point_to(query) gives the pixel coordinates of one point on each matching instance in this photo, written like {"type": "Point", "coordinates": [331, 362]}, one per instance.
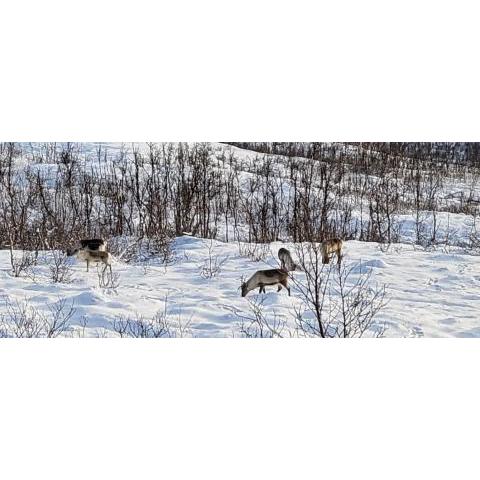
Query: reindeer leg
{"type": "Point", "coordinates": [279, 288]}
{"type": "Point", "coordinates": [87, 265]}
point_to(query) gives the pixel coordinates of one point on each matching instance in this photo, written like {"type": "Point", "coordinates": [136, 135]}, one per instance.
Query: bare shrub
{"type": "Point", "coordinates": [161, 325]}
{"type": "Point", "coordinates": [60, 268]}
{"type": "Point", "coordinates": [22, 320]}
{"type": "Point", "coordinates": [141, 327]}
{"type": "Point", "coordinates": [356, 304]}
{"type": "Point", "coordinates": [162, 247]}
{"type": "Point", "coordinates": [157, 326]}
{"type": "Point", "coordinates": [212, 265]}
{"type": "Point", "coordinates": [107, 278]}
{"type": "Point", "coordinates": [339, 301]}
{"type": "Point", "coordinates": [56, 321]}
{"type": "Point", "coordinates": [22, 263]}
{"type": "Point", "coordinates": [124, 249]}
{"type": "Point", "coordinates": [257, 324]}
{"type": "Point", "coordinates": [254, 251]}
{"type": "Point", "coordinates": [143, 249]}
{"type": "Point", "coordinates": [314, 288]}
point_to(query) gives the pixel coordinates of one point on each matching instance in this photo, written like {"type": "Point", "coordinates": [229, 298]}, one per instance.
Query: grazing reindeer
{"type": "Point", "coordinates": [332, 246]}
{"type": "Point", "coordinates": [262, 278]}
{"type": "Point", "coordinates": [94, 256]}
{"type": "Point", "coordinates": [286, 261]}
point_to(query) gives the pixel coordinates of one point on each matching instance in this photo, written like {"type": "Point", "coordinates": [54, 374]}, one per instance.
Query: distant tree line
{"type": "Point", "coordinates": [451, 153]}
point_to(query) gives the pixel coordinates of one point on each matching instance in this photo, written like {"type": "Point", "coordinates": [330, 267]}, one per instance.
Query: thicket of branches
{"type": "Point", "coordinates": [355, 191]}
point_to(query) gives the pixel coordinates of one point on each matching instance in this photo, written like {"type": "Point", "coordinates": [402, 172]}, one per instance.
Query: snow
{"type": "Point", "coordinates": [430, 293]}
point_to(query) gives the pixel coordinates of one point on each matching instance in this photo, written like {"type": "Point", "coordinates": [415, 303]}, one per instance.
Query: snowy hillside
{"type": "Point", "coordinates": [187, 224]}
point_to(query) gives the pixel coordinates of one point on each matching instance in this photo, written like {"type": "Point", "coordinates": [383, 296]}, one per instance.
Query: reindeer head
{"type": "Point", "coordinates": [244, 286]}
{"type": "Point", "coordinates": [71, 251]}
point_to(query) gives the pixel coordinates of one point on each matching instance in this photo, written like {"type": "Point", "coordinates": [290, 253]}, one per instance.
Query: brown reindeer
{"type": "Point", "coordinates": [332, 246]}
{"type": "Point", "coordinates": [262, 278]}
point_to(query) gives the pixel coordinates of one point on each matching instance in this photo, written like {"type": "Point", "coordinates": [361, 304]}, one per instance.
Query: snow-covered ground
{"type": "Point", "coordinates": [432, 294]}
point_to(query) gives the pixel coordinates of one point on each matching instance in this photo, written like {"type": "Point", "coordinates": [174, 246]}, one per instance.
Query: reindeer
{"type": "Point", "coordinates": [286, 261]}
{"type": "Point", "coordinates": [94, 256]}
{"type": "Point", "coordinates": [92, 250]}
{"type": "Point", "coordinates": [332, 246]}
{"type": "Point", "coordinates": [261, 278]}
